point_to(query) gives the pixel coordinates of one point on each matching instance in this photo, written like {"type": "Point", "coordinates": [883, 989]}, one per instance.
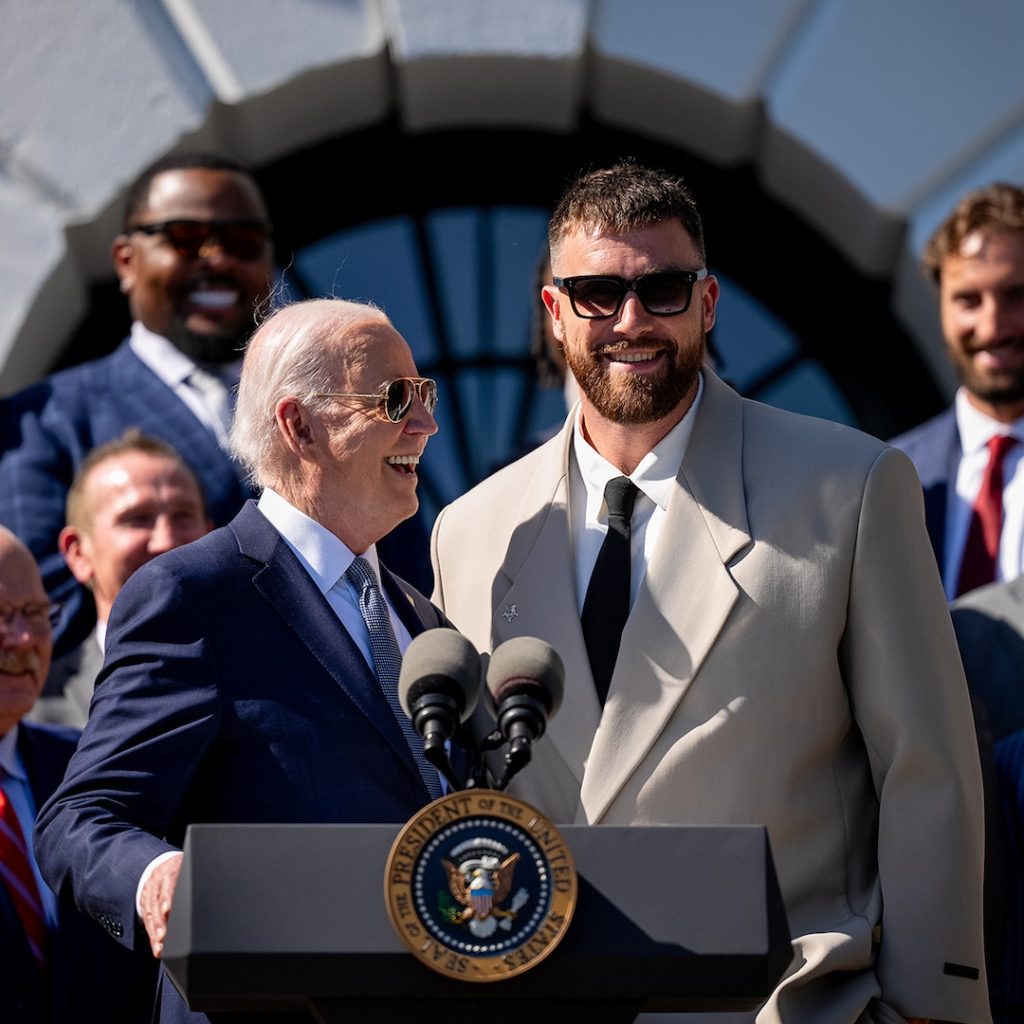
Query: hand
{"type": "Point", "coordinates": [156, 898]}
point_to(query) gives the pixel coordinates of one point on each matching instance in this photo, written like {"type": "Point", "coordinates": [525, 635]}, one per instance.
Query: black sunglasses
{"type": "Point", "coordinates": [664, 293]}
{"type": "Point", "coordinates": [243, 238]}
{"type": "Point", "coordinates": [395, 398]}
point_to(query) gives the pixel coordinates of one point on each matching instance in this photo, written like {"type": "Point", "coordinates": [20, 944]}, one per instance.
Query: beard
{"type": "Point", "coordinates": [1002, 387]}
{"type": "Point", "coordinates": [209, 349]}
{"type": "Point", "coordinates": [633, 399]}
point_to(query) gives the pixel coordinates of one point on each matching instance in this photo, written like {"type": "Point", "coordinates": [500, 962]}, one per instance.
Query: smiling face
{"type": "Point", "coordinates": [203, 304]}
{"type": "Point", "coordinates": [136, 506]}
{"type": "Point", "coordinates": [26, 643]}
{"type": "Point", "coordinates": [633, 368]}
{"type": "Point", "coordinates": [982, 309]}
{"type": "Point", "coordinates": [362, 469]}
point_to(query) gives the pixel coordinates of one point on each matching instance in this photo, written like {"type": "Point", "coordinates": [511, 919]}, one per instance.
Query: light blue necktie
{"type": "Point", "coordinates": [387, 661]}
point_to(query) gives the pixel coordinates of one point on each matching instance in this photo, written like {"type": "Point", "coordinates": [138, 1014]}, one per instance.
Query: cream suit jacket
{"type": "Point", "coordinates": [789, 661]}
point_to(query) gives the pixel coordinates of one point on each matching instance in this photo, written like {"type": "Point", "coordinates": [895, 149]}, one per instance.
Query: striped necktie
{"type": "Point", "coordinates": [387, 661]}
{"type": "Point", "coordinates": [17, 876]}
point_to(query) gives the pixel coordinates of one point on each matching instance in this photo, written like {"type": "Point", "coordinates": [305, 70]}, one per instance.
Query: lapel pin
{"type": "Point", "coordinates": [510, 612]}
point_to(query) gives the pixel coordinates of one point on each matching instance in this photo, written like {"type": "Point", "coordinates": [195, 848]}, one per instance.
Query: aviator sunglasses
{"type": "Point", "coordinates": [243, 238]}
{"type": "Point", "coordinates": [664, 293]}
{"type": "Point", "coordinates": [395, 398]}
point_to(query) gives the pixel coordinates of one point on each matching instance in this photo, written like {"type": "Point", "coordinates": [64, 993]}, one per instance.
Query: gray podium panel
{"type": "Point", "coordinates": [292, 917]}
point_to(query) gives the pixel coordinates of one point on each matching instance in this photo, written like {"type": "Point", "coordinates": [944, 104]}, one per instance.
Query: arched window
{"type": "Point", "coordinates": [444, 230]}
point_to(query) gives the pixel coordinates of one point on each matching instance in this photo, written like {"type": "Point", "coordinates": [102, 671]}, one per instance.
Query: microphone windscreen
{"type": "Point", "coordinates": [526, 664]}
{"type": "Point", "coordinates": [440, 661]}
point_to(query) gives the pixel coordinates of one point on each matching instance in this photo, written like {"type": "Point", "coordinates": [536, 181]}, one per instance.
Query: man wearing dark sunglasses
{"type": "Point", "coordinates": [750, 618]}
{"type": "Point", "coordinates": [252, 676]}
{"type": "Point", "coordinates": [194, 260]}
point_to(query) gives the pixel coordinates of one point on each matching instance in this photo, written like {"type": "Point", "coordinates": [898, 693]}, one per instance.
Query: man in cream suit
{"type": "Point", "coordinates": [787, 658]}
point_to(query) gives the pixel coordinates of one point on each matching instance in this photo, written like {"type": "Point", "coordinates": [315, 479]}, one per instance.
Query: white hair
{"type": "Point", "coordinates": [289, 356]}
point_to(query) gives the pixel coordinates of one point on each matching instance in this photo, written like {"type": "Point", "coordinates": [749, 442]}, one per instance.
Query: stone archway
{"type": "Point", "coordinates": [867, 135]}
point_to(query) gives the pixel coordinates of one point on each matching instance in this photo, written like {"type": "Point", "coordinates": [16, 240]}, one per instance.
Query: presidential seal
{"type": "Point", "coordinates": [480, 886]}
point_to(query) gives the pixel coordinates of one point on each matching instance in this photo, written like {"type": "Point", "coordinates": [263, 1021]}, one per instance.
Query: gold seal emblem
{"type": "Point", "coordinates": [480, 886]}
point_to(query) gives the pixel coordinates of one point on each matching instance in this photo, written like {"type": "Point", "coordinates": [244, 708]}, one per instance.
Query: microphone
{"type": "Point", "coordinates": [438, 687]}
{"type": "Point", "coordinates": [525, 684]}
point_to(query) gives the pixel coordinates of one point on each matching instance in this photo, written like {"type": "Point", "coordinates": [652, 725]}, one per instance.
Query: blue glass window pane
{"type": "Point", "coordinates": [519, 237]}
{"type": "Point", "coordinates": [809, 389]}
{"type": "Point", "coordinates": [376, 262]}
{"type": "Point", "coordinates": [547, 412]}
{"type": "Point", "coordinates": [748, 338]}
{"type": "Point", "coordinates": [491, 400]}
{"type": "Point", "coordinates": [460, 251]}
{"type": "Point", "coordinates": [441, 467]}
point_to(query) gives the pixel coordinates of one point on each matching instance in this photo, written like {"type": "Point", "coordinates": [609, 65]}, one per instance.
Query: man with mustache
{"type": "Point", "coordinates": [55, 964]}
{"type": "Point", "coordinates": [750, 618]}
{"type": "Point", "coordinates": [194, 260]}
{"type": "Point", "coordinates": [970, 457]}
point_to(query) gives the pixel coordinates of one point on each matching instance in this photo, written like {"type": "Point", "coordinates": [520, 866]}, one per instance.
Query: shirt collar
{"type": "Point", "coordinates": [323, 555]}
{"type": "Point", "coordinates": [168, 362]}
{"type": "Point", "coordinates": [655, 475]}
{"type": "Point", "coordinates": [976, 429]}
{"type": "Point", "coordinates": [10, 763]}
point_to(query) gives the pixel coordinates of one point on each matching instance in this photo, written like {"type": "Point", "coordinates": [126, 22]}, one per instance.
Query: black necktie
{"type": "Point", "coordinates": [606, 606]}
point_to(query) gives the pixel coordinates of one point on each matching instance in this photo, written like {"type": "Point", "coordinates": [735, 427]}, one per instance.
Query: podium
{"type": "Point", "coordinates": [292, 918]}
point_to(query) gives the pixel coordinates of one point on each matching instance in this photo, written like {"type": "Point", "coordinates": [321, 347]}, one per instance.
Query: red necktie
{"type": "Point", "coordinates": [981, 552]}
{"type": "Point", "coordinates": [16, 874]}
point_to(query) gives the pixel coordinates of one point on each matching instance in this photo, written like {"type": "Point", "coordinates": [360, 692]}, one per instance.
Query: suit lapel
{"type": "Point", "coordinates": [400, 601]}
{"type": "Point", "coordinates": [158, 410]}
{"type": "Point", "coordinates": [936, 465]}
{"type": "Point", "coordinates": [684, 600]}
{"type": "Point", "coordinates": [540, 599]}
{"type": "Point", "coordinates": [284, 583]}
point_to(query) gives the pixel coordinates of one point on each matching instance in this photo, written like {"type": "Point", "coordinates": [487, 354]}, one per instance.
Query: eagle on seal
{"type": "Point", "coordinates": [478, 888]}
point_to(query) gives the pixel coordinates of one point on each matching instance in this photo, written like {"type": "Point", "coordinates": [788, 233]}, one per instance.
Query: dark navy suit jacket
{"type": "Point", "coordinates": [934, 448]}
{"type": "Point", "coordinates": [230, 693]}
{"type": "Point", "coordinates": [49, 429]}
{"type": "Point", "coordinates": [88, 976]}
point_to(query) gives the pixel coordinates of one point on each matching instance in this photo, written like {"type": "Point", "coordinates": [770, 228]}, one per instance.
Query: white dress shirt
{"type": "Point", "coordinates": [655, 478]}
{"type": "Point", "coordinates": [976, 430]}
{"type": "Point", "coordinates": [326, 559]}
{"type": "Point", "coordinates": [15, 784]}
{"type": "Point", "coordinates": [175, 368]}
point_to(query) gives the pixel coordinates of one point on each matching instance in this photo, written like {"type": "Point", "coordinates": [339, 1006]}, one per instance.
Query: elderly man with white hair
{"type": "Point", "coordinates": [249, 677]}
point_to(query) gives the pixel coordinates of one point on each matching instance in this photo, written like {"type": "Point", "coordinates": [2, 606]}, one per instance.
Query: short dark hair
{"type": "Point", "coordinates": [138, 191]}
{"type": "Point", "coordinates": [622, 198]}
{"type": "Point", "coordinates": [132, 440]}
{"type": "Point", "coordinates": [993, 209]}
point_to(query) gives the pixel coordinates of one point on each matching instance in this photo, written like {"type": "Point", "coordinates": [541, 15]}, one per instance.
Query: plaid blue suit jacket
{"type": "Point", "coordinates": [49, 428]}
